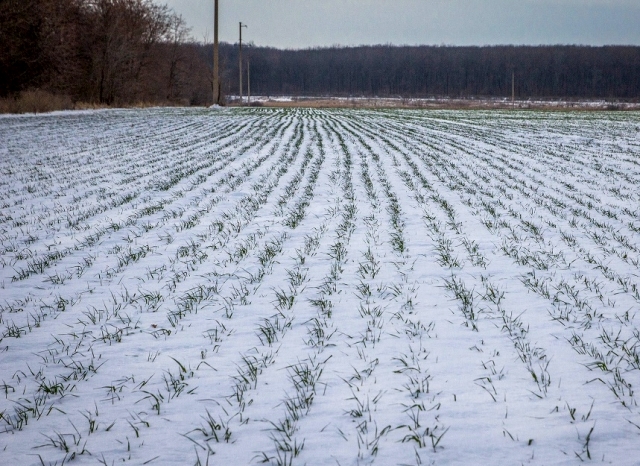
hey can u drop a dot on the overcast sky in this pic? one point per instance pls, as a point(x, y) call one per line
point(311, 23)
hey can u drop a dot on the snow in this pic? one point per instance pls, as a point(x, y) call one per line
point(448, 102)
point(299, 286)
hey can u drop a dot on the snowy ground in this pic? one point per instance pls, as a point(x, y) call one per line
point(319, 287)
point(438, 103)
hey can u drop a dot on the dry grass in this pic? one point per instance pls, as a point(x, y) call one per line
point(35, 101)
point(89, 106)
point(39, 101)
point(444, 104)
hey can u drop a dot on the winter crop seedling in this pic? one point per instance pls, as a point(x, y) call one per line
point(407, 286)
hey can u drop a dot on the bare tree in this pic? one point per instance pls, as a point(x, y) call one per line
point(23, 61)
point(124, 34)
point(176, 37)
point(40, 45)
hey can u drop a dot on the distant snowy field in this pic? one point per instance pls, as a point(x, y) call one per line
point(319, 287)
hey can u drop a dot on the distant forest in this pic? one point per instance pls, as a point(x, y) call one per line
point(426, 71)
point(120, 52)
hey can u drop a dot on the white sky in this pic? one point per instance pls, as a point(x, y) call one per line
point(310, 23)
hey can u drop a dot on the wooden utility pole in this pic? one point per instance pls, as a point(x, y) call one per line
point(216, 57)
point(513, 88)
point(240, 60)
point(248, 82)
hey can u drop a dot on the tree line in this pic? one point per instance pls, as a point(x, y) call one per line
point(110, 52)
point(611, 72)
point(120, 52)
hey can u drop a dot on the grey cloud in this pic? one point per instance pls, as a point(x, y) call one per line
point(303, 23)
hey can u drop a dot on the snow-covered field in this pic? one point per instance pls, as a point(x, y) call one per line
point(319, 287)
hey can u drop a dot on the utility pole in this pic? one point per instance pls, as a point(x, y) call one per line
point(240, 60)
point(248, 82)
point(216, 58)
point(513, 88)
